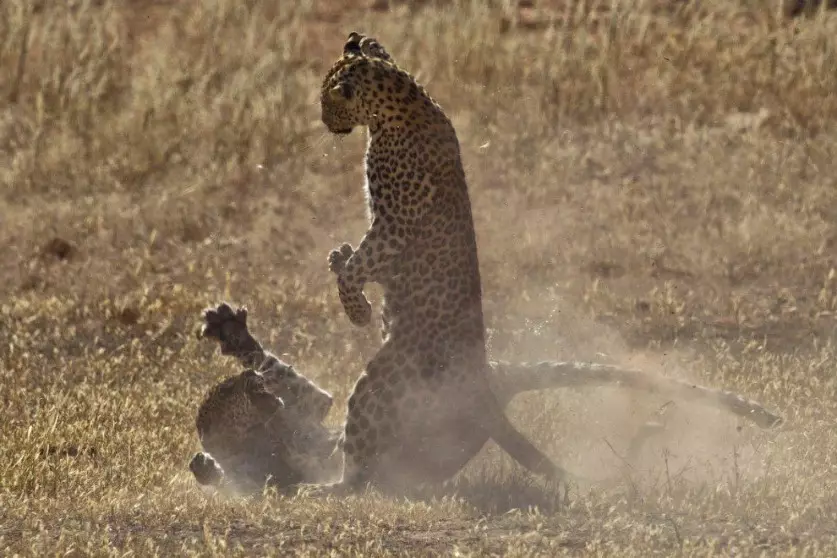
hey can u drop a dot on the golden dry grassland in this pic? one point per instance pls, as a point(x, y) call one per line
point(654, 184)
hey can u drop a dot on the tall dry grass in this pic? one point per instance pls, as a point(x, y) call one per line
point(651, 180)
point(92, 101)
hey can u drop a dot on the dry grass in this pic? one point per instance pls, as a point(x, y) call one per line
point(653, 180)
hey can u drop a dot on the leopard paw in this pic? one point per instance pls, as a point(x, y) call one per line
point(337, 258)
point(206, 469)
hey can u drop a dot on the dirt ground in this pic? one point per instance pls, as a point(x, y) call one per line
point(654, 184)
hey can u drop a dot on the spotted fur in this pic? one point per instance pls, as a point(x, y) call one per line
point(252, 439)
point(300, 395)
point(423, 407)
point(263, 424)
point(429, 400)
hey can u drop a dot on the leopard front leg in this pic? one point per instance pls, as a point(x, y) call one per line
point(372, 261)
point(228, 326)
point(354, 302)
point(336, 262)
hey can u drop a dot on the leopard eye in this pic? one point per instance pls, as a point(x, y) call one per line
point(342, 91)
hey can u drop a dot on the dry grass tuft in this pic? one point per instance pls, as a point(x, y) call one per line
point(652, 180)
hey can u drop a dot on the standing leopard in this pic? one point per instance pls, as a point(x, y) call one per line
point(251, 437)
point(424, 405)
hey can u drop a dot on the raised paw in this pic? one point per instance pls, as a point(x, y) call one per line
point(206, 469)
point(217, 320)
point(337, 258)
point(354, 302)
point(228, 326)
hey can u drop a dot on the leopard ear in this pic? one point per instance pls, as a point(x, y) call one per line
point(241, 315)
point(341, 92)
point(352, 45)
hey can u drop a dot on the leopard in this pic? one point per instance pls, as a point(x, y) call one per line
point(264, 424)
point(423, 407)
point(252, 440)
point(228, 326)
